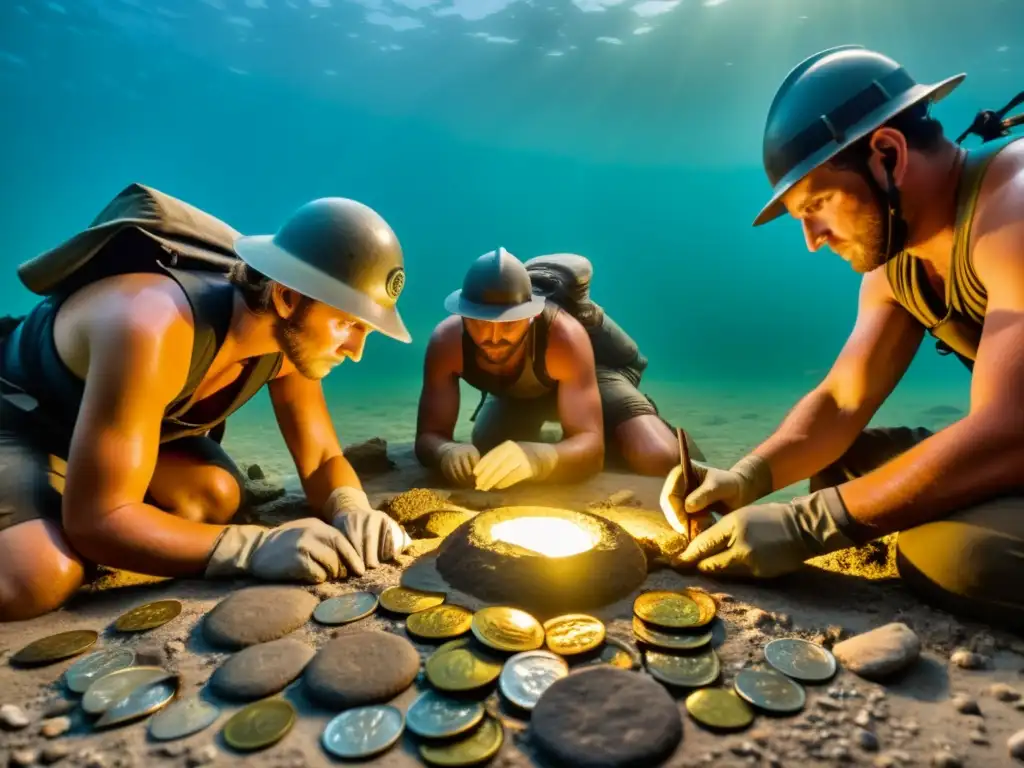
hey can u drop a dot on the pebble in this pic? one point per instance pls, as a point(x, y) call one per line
point(12, 718)
point(174, 647)
point(965, 705)
point(977, 737)
point(968, 659)
point(54, 753)
point(258, 615)
point(946, 759)
point(255, 472)
point(829, 705)
point(879, 652)
point(172, 750)
point(1016, 745)
point(745, 749)
point(55, 726)
point(202, 756)
point(361, 668)
point(1003, 692)
point(58, 707)
point(261, 670)
point(863, 718)
point(867, 741)
point(22, 758)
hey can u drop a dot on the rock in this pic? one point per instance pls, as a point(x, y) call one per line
point(977, 737)
point(863, 718)
point(54, 753)
point(55, 726)
point(828, 705)
point(965, 705)
point(22, 758)
point(969, 659)
point(414, 503)
point(438, 524)
point(258, 615)
point(370, 457)
point(150, 653)
point(361, 668)
point(1015, 744)
point(881, 652)
point(619, 498)
point(202, 756)
point(174, 749)
point(644, 726)
point(261, 670)
point(745, 749)
point(867, 741)
point(944, 759)
point(262, 491)
point(1003, 692)
point(174, 647)
point(12, 718)
point(254, 472)
point(58, 707)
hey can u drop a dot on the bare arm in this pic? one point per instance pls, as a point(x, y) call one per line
point(439, 397)
point(826, 421)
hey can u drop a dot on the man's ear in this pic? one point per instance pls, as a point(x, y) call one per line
point(889, 154)
point(285, 300)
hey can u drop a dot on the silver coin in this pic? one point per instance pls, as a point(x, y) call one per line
point(363, 731)
point(142, 701)
point(801, 659)
point(83, 672)
point(527, 675)
point(435, 716)
point(114, 686)
point(183, 718)
point(346, 608)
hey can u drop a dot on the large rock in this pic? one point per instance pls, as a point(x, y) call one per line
point(361, 668)
point(258, 615)
point(261, 670)
point(880, 652)
point(370, 457)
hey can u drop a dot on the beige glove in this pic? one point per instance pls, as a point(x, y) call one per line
point(308, 551)
point(457, 460)
point(374, 536)
point(512, 462)
point(748, 480)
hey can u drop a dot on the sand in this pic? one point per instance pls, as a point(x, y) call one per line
point(817, 603)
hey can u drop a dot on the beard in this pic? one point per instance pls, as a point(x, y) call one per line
point(865, 250)
point(290, 333)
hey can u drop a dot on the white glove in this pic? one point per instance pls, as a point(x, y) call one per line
point(512, 462)
point(374, 536)
point(457, 460)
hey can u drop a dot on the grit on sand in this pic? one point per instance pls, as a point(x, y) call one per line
point(837, 597)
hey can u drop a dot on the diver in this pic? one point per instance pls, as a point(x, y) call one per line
point(529, 338)
point(157, 323)
point(937, 232)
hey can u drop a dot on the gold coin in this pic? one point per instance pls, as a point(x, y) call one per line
point(618, 654)
point(673, 610)
point(673, 641)
point(573, 633)
point(719, 708)
point(148, 616)
point(507, 629)
point(482, 744)
point(440, 621)
point(260, 724)
point(56, 647)
point(686, 670)
point(461, 666)
point(705, 603)
point(403, 600)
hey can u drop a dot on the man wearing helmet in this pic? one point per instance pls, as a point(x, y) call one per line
point(115, 388)
point(938, 234)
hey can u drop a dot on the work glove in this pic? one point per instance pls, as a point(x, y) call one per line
point(457, 460)
point(308, 551)
point(513, 462)
point(767, 540)
point(748, 480)
point(374, 536)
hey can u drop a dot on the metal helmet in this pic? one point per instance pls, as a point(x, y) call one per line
point(825, 104)
point(496, 288)
point(340, 252)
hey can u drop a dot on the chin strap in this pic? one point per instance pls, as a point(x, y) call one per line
point(991, 125)
point(889, 201)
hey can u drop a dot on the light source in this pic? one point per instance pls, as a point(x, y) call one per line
point(549, 536)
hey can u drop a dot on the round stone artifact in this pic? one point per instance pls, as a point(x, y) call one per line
point(142, 701)
point(801, 659)
point(405, 600)
point(462, 665)
point(719, 708)
point(111, 688)
point(668, 610)
point(604, 717)
point(259, 724)
point(258, 615)
point(344, 609)
point(80, 675)
point(361, 668)
point(526, 676)
point(503, 556)
point(507, 629)
point(441, 621)
point(363, 731)
point(183, 717)
point(573, 633)
point(672, 641)
point(482, 744)
point(149, 616)
point(261, 670)
point(684, 670)
point(770, 691)
point(55, 648)
point(436, 716)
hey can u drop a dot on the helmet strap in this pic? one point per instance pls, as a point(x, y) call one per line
point(889, 201)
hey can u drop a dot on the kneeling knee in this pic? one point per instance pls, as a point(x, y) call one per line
point(649, 459)
point(27, 593)
point(213, 499)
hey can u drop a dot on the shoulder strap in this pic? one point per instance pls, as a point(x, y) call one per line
point(542, 328)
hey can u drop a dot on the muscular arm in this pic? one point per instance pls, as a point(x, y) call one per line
point(439, 396)
point(826, 421)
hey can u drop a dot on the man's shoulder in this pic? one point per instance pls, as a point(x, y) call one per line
point(567, 338)
point(446, 341)
point(999, 216)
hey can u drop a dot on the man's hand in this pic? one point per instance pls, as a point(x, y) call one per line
point(374, 536)
point(767, 540)
point(457, 461)
point(511, 462)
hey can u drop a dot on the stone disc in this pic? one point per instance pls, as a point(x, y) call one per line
point(183, 717)
point(259, 724)
point(80, 675)
point(55, 648)
point(149, 616)
point(261, 670)
point(111, 688)
point(141, 702)
point(462, 666)
point(719, 708)
point(526, 676)
point(770, 691)
point(507, 629)
point(441, 621)
point(404, 600)
point(436, 716)
point(671, 610)
point(573, 633)
point(672, 641)
point(801, 659)
point(361, 668)
point(344, 609)
point(685, 670)
point(258, 615)
point(363, 731)
point(482, 744)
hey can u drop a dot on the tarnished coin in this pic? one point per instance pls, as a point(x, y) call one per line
point(686, 670)
point(461, 666)
point(80, 675)
point(482, 744)
point(363, 731)
point(55, 647)
point(436, 716)
point(769, 690)
point(404, 600)
point(673, 641)
point(346, 608)
point(507, 629)
point(719, 708)
point(111, 688)
point(183, 718)
point(573, 633)
point(148, 616)
point(260, 724)
point(672, 610)
point(527, 675)
point(440, 621)
point(800, 659)
point(705, 604)
point(142, 701)
point(618, 654)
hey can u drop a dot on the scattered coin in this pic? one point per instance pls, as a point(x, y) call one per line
point(618, 654)
point(686, 670)
point(507, 629)
point(461, 666)
point(673, 641)
point(573, 633)
point(183, 718)
point(435, 716)
point(441, 621)
point(148, 616)
point(705, 603)
point(404, 600)
point(482, 744)
point(80, 675)
point(527, 675)
point(344, 609)
point(55, 647)
point(672, 610)
point(142, 701)
point(260, 724)
point(800, 659)
point(363, 731)
point(768, 690)
point(113, 687)
point(719, 708)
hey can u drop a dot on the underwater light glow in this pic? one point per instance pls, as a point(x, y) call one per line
point(549, 536)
